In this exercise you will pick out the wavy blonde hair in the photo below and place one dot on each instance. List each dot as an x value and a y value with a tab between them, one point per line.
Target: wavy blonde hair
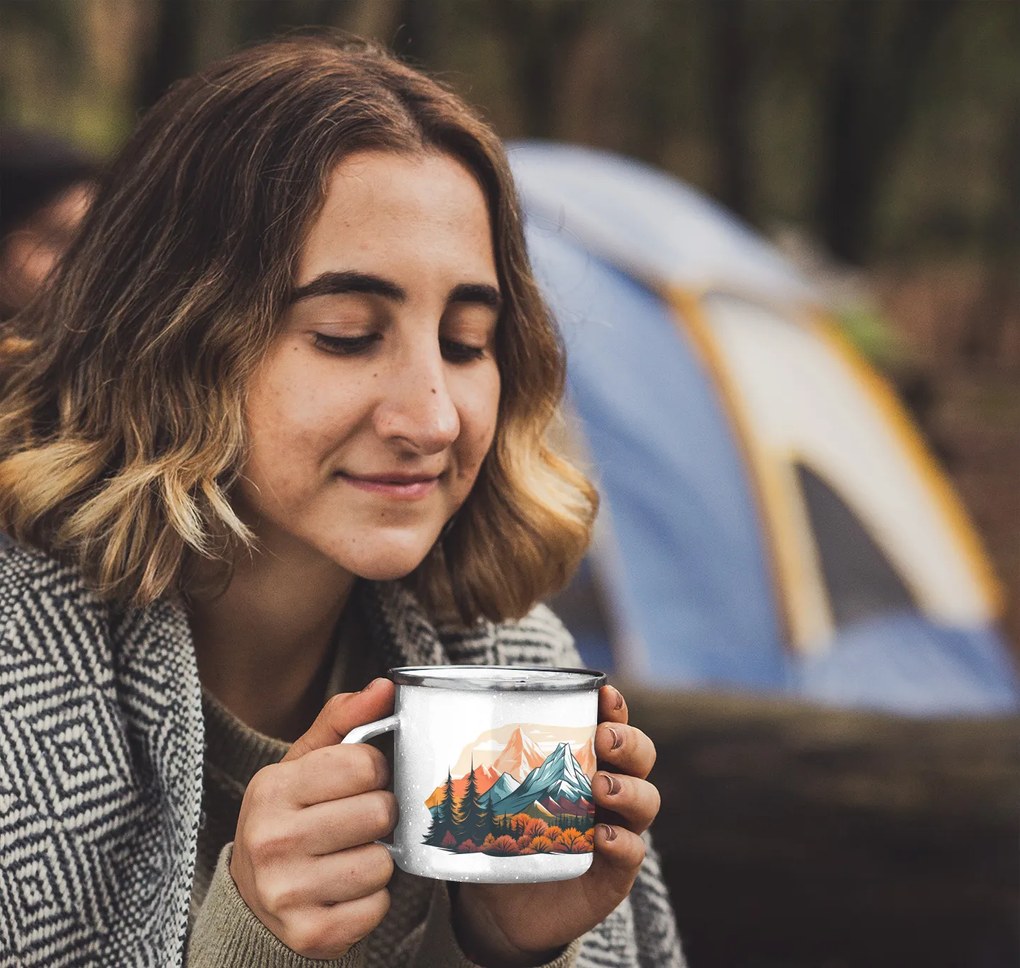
122	432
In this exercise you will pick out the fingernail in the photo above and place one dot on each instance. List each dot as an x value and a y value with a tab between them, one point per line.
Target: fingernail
608	832
369	686
617	738
611	783
619	699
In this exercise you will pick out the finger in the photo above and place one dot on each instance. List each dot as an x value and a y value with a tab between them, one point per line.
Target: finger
341	714
612	705
334	773
618	855
624	749
634	802
351	874
339	825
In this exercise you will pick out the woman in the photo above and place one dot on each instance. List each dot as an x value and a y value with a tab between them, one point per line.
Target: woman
283	427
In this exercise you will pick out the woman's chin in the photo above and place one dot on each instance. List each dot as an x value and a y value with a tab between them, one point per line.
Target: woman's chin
391	565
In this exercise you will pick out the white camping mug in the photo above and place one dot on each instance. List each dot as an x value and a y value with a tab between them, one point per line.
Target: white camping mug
492	771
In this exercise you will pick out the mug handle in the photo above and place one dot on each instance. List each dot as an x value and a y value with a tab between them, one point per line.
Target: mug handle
369	731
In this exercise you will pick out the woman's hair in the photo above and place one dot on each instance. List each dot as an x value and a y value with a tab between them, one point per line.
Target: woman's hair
122	431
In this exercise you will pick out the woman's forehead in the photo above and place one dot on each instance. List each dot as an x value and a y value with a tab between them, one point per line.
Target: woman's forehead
399	214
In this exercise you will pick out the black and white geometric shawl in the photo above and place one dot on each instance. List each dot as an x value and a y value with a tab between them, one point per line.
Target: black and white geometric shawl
101	769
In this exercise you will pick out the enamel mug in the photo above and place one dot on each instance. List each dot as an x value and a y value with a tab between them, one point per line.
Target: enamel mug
492	771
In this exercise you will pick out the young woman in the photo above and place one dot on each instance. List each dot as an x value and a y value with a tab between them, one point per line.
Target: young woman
282	426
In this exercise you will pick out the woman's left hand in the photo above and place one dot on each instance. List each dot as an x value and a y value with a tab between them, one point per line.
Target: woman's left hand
516	925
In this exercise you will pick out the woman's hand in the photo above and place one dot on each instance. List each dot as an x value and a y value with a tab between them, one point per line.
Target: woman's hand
510	925
303	857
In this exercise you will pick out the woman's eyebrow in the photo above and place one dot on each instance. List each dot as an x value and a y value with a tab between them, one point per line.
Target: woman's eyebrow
477	292
335	283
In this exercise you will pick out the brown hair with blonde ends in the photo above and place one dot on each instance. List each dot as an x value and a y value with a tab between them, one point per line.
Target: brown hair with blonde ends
122	432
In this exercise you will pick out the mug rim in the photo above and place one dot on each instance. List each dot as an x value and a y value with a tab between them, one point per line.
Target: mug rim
553	678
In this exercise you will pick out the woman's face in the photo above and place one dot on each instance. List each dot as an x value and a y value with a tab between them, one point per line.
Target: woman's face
377	402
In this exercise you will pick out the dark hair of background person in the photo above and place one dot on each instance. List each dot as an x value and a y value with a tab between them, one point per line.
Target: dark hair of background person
123	431
37	173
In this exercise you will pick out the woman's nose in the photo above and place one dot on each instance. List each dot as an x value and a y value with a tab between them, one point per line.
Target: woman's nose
418	407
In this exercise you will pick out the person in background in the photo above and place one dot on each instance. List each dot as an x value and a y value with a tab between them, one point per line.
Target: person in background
45	188
286	428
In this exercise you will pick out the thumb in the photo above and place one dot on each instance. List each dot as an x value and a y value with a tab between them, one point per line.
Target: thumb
341	714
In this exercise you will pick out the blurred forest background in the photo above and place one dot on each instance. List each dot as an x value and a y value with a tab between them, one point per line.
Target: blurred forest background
877	141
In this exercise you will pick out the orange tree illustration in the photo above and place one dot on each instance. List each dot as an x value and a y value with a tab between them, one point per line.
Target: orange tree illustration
504	846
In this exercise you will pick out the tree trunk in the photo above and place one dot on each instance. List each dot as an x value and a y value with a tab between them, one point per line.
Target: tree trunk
172	50
873	88
730	99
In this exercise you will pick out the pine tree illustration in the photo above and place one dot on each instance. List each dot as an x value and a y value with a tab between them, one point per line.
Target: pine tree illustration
476	814
457	820
443	818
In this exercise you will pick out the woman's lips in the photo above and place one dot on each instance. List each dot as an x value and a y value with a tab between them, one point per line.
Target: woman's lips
407	488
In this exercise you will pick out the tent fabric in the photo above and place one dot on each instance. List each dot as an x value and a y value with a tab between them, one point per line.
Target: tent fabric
683	567
677	492
653	227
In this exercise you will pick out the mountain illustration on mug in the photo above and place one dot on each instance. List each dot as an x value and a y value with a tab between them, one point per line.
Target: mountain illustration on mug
520	790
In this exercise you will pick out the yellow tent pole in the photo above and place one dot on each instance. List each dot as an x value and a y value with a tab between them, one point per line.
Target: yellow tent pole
933	479
779	522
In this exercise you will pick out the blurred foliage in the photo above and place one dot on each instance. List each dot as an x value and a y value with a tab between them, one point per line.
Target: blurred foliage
873	334
885	128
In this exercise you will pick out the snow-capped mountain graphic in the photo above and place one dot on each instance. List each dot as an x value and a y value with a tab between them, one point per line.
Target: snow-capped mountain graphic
489	745
503	787
558	786
519	757
516	790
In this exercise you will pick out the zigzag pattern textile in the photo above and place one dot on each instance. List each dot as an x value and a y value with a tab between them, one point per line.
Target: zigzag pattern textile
101	769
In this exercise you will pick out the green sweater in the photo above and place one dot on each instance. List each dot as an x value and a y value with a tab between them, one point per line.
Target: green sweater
224	933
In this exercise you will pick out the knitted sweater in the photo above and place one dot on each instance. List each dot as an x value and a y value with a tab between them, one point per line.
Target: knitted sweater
101	783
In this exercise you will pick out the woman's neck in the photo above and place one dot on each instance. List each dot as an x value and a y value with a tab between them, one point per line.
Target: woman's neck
263	645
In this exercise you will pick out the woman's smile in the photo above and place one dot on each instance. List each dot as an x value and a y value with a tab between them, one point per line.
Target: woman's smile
399	487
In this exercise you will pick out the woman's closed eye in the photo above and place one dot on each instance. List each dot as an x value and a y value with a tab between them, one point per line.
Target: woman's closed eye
454	351
346	345
457	352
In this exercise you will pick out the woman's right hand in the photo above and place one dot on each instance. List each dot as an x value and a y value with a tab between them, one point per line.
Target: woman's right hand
303	859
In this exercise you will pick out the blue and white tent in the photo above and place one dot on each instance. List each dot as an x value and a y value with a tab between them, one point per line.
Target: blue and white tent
771	519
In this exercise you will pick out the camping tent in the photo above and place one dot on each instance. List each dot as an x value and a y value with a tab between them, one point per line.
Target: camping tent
771	519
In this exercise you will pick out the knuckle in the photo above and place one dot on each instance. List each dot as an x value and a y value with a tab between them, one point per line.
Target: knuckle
279	896
314	938
382	816
652	752
370	913
371	767
379	867
261	787
377	766
365	766
334	706
267	842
